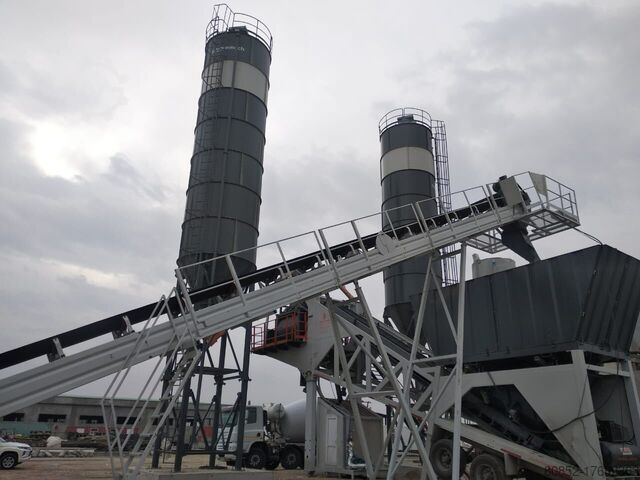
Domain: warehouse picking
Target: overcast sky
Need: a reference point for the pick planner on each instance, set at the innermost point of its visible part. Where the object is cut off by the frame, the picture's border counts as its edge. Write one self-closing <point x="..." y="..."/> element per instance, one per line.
<point x="98" y="104"/>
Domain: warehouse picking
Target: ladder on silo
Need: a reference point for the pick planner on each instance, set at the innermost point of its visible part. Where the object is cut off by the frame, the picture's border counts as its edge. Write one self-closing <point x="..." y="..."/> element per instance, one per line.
<point x="443" y="191"/>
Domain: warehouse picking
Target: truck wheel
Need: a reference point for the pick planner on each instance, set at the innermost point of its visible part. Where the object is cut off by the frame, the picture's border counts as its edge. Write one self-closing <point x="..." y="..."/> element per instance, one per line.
<point x="256" y="458"/>
<point x="441" y="457"/>
<point x="291" y="458"/>
<point x="487" y="467"/>
<point x="8" y="460"/>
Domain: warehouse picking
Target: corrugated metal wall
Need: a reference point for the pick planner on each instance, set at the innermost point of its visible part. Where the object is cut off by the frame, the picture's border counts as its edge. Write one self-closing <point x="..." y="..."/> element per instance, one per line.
<point x="586" y="299"/>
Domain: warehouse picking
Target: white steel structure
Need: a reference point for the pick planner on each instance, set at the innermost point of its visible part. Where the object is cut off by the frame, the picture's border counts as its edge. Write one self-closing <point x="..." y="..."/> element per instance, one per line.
<point x="342" y="253"/>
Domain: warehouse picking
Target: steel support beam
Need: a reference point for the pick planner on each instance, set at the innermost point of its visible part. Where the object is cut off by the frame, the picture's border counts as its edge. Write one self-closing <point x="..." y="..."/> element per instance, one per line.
<point x="310" y="424"/>
<point x="84" y="367"/>
<point x="217" y="407"/>
<point x="182" y="425"/>
<point x="157" y="447"/>
<point x="404" y="405"/>
<point x="244" y="385"/>
<point x="457" y="409"/>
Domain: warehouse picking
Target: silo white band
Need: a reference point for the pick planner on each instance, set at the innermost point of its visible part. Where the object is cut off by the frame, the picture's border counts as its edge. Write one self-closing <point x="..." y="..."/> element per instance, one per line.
<point x="406" y="158"/>
<point x="246" y="77"/>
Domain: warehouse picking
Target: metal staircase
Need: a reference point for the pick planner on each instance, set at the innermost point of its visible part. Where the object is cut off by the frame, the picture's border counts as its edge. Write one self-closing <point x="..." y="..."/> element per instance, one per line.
<point x="339" y="254"/>
<point x="182" y="354"/>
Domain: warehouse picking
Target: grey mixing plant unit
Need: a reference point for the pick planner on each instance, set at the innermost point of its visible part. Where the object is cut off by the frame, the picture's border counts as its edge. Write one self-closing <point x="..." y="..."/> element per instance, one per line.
<point x="407" y="175"/>
<point x="223" y="196"/>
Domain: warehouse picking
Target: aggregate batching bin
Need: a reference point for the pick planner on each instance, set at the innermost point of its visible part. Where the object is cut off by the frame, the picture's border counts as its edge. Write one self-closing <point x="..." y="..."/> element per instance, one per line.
<point x="588" y="299"/>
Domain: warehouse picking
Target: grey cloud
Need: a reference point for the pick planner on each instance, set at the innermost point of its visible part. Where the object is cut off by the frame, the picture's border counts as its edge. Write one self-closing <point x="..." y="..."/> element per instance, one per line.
<point x="122" y="173"/>
<point x="82" y="91"/>
<point x="317" y="189"/>
<point x="553" y="89"/>
<point x="83" y="219"/>
<point x="42" y="301"/>
<point x="96" y="223"/>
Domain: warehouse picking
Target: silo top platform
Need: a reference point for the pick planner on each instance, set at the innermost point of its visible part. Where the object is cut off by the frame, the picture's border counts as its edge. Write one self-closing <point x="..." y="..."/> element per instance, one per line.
<point x="226" y="20"/>
<point x="405" y="114"/>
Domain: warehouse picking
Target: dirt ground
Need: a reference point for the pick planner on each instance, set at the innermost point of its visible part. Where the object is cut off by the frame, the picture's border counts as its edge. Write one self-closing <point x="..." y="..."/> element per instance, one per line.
<point x="98" y="467"/>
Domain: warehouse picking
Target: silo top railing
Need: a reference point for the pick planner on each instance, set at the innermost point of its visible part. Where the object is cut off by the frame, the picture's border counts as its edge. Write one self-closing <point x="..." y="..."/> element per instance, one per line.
<point x="394" y="117"/>
<point x="224" y="19"/>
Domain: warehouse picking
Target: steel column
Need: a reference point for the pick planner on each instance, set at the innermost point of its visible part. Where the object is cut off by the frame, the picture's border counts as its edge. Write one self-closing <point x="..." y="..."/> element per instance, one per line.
<point x="219" y="379"/>
<point x="457" y="409"/>
<point x="155" y="459"/>
<point x="244" y="373"/>
<point x="310" y="425"/>
<point x="182" y="425"/>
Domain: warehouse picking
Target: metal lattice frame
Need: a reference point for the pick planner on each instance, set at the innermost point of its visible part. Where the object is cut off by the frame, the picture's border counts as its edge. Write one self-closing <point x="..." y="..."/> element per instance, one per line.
<point x="335" y="263"/>
<point x="218" y="441"/>
<point x="407" y="402"/>
<point x="182" y="354"/>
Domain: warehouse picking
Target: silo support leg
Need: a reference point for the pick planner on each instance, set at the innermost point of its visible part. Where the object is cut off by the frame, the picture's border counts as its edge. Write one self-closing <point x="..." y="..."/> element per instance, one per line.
<point x="412" y="357"/>
<point x="402" y="400"/>
<point x="346" y="375"/>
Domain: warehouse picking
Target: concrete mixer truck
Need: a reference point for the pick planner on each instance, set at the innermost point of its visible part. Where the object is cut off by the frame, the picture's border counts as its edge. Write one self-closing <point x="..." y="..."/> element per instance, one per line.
<point x="273" y="435"/>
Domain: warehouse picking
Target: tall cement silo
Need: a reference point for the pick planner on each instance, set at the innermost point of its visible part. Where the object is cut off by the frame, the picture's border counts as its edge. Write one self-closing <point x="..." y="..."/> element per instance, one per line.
<point x="223" y="196"/>
<point x="407" y="175"/>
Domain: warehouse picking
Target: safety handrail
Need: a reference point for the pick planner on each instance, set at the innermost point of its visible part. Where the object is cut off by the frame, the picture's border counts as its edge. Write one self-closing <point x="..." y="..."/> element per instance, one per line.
<point x="286" y="329"/>
<point x="224" y="18"/>
<point x="391" y="118"/>
<point x="345" y="239"/>
<point x="551" y="210"/>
